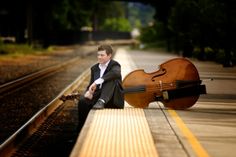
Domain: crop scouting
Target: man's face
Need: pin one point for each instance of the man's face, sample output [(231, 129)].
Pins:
[(103, 57)]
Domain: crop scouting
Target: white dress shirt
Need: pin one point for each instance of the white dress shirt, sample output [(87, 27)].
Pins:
[(102, 68)]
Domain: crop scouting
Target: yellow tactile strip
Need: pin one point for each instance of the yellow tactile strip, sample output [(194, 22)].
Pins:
[(119, 133)]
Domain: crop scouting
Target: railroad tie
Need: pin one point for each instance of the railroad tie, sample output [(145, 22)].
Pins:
[(118, 133)]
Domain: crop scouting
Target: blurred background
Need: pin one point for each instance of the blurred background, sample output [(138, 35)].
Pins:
[(202, 29)]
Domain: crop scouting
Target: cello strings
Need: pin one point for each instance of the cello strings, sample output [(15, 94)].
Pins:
[(151, 88)]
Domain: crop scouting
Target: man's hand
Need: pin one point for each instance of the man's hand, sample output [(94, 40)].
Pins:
[(92, 88), (88, 95)]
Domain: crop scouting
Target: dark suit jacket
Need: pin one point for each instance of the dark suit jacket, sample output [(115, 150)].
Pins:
[(112, 73)]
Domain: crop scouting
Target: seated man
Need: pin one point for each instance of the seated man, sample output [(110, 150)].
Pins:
[(104, 89)]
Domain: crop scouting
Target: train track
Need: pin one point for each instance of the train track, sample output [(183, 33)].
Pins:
[(26, 79), (32, 127), (19, 143), (24, 103)]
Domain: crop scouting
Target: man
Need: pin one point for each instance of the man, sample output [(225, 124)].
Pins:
[(104, 89)]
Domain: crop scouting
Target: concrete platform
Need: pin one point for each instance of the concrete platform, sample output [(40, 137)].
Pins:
[(208, 129), (117, 133)]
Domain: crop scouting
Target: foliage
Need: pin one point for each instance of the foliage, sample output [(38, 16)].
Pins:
[(112, 15), (71, 15), (106, 12), (1, 42), (182, 20), (116, 24), (18, 49), (152, 33), (203, 23), (140, 15)]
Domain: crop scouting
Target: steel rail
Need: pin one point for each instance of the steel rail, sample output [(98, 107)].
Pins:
[(8, 147), (24, 80)]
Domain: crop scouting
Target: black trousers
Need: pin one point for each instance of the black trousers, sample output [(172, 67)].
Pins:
[(85, 105)]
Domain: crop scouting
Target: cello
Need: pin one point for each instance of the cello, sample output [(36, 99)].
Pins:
[(176, 84)]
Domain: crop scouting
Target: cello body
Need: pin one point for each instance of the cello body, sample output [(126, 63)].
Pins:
[(144, 88)]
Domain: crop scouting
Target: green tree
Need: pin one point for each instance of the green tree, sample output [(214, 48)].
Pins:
[(116, 24), (207, 23), (71, 15)]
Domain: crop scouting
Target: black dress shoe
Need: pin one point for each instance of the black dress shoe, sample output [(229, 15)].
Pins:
[(99, 105)]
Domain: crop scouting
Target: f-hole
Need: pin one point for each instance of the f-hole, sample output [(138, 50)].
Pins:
[(162, 72)]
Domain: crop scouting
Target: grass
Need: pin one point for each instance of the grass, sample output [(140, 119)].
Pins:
[(15, 50)]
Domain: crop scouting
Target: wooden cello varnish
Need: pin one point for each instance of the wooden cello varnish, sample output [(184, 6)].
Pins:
[(142, 88)]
